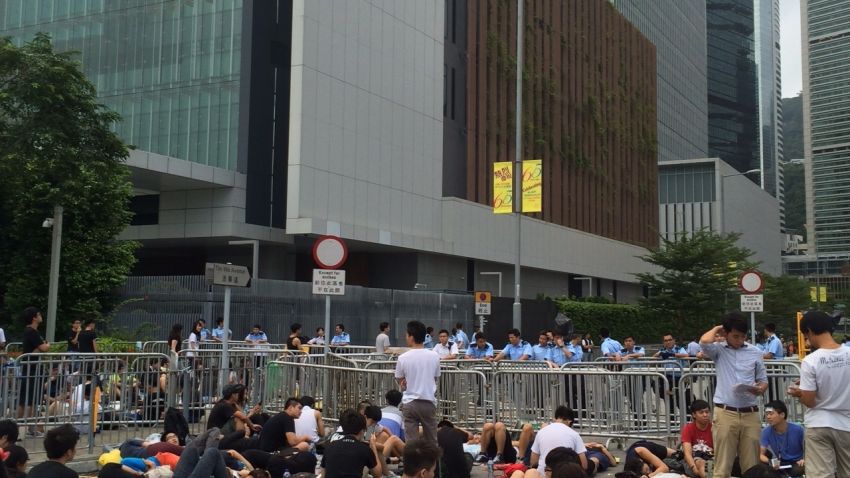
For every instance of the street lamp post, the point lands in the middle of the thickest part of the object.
(53, 285)
(517, 194)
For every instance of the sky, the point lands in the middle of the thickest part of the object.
(790, 47)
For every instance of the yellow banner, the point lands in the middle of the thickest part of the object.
(532, 185)
(813, 294)
(503, 179)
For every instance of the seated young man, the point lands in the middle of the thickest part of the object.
(387, 444)
(451, 440)
(391, 417)
(557, 434)
(697, 442)
(496, 444)
(420, 459)
(782, 439)
(347, 456)
(60, 444)
(279, 430)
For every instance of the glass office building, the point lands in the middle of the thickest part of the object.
(170, 69)
(732, 87)
(766, 13)
(826, 69)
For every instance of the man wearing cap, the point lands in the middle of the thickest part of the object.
(824, 375)
(741, 378)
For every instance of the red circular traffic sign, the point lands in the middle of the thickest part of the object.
(751, 282)
(330, 252)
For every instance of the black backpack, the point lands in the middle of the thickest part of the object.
(176, 423)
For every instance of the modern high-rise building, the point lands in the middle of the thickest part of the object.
(677, 28)
(378, 121)
(733, 104)
(768, 65)
(826, 120)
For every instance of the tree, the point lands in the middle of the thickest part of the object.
(697, 279)
(783, 297)
(57, 148)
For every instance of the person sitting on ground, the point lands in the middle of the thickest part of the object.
(16, 461)
(227, 414)
(451, 440)
(647, 458)
(697, 441)
(782, 439)
(391, 417)
(347, 456)
(60, 443)
(558, 433)
(279, 430)
(386, 443)
(496, 444)
(420, 459)
(310, 423)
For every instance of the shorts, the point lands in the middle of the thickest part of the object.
(30, 391)
(508, 454)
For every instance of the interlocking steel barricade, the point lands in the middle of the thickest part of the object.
(107, 397)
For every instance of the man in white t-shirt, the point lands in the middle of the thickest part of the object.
(382, 341)
(310, 422)
(555, 434)
(445, 349)
(417, 372)
(824, 375)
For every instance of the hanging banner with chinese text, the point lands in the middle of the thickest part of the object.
(503, 188)
(532, 185)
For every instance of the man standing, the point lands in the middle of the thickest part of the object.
(340, 338)
(88, 338)
(205, 332)
(516, 348)
(461, 339)
(540, 352)
(673, 372)
(30, 393)
(773, 348)
(445, 349)
(417, 372)
(782, 440)
(609, 347)
(218, 331)
(563, 351)
(741, 377)
(823, 388)
(382, 341)
(74, 336)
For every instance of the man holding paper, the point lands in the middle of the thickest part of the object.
(741, 377)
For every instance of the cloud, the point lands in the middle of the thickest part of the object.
(791, 47)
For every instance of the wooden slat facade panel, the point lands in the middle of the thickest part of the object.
(588, 112)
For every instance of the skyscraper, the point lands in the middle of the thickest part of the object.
(826, 120)
(732, 85)
(766, 13)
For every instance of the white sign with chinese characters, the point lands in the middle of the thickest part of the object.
(229, 275)
(328, 282)
(752, 303)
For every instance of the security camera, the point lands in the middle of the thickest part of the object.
(47, 222)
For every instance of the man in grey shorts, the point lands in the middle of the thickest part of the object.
(417, 372)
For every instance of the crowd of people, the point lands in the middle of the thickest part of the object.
(720, 440)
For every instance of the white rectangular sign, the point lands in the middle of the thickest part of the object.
(752, 303)
(228, 275)
(328, 282)
(482, 308)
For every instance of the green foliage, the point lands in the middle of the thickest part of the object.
(620, 319)
(697, 278)
(783, 297)
(56, 148)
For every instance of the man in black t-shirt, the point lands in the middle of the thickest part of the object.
(451, 440)
(30, 393)
(346, 457)
(88, 338)
(60, 444)
(279, 430)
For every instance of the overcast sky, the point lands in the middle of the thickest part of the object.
(789, 43)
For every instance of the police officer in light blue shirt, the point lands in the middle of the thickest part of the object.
(772, 345)
(481, 349)
(564, 352)
(609, 347)
(516, 348)
(340, 337)
(540, 352)
(630, 351)
(429, 342)
(460, 337)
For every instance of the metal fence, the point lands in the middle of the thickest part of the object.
(154, 303)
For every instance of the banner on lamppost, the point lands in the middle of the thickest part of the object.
(532, 185)
(503, 187)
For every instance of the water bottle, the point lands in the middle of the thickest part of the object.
(709, 468)
(286, 473)
(490, 468)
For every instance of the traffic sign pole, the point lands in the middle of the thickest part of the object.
(327, 324)
(225, 353)
(753, 326)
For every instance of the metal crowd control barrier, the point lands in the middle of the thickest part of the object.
(107, 397)
(607, 404)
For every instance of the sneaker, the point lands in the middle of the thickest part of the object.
(482, 459)
(498, 460)
(34, 434)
